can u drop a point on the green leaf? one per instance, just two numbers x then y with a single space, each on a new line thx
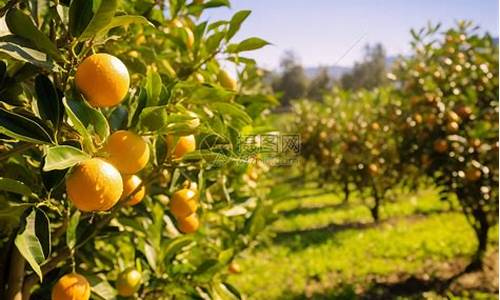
21 49
51 179
48 101
174 246
28 244
235 23
10 214
42 230
101 288
21 24
153 118
124 21
14 186
22 128
63 157
247 45
91 118
80 14
153 87
78 125
71 230
231 110
222 292
118 118
217 3
213 41
150 253
102 18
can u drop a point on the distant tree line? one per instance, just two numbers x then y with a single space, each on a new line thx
291 81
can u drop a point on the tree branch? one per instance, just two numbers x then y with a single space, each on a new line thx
16 275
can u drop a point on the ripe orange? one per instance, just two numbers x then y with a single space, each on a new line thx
373 169
130 183
472 174
71 286
188 224
103 79
464 111
453 116
184 145
128 282
184 203
452 127
234 268
227 81
417 118
127 151
441 146
94 185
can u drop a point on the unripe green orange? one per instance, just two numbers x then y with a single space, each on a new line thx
227 81
128 282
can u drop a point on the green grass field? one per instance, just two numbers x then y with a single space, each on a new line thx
323 249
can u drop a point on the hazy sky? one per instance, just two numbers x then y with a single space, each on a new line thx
321 32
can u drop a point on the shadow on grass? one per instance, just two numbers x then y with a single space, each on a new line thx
409 288
301 239
313 210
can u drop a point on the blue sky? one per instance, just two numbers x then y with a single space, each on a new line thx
321 32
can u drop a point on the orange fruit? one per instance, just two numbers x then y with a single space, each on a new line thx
103 79
188 224
227 81
71 286
417 118
464 112
128 282
130 183
234 268
184 203
184 145
472 174
373 169
453 116
452 127
94 185
127 151
441 146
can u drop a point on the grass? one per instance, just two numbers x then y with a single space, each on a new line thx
324 249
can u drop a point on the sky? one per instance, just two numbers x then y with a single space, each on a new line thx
334 32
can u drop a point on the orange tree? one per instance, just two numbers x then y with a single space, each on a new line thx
449 121
121 172
350 137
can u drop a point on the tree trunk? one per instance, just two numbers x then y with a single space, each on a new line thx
16 275
346 192
481 231
374 210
